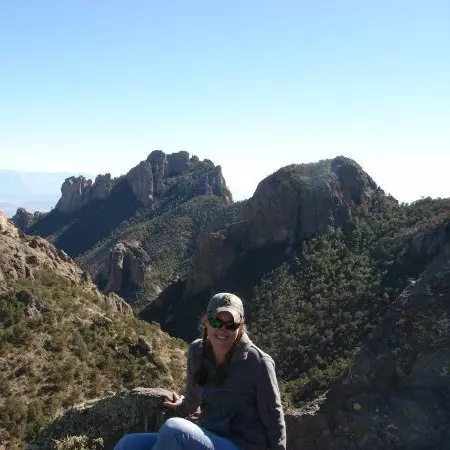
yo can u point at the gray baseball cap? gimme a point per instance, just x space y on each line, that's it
224 301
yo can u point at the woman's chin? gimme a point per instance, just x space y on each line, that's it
221 343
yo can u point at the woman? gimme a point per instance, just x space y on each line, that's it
234 384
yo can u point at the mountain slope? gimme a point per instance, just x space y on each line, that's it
396 392
62 341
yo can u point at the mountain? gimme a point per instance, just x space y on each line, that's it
325 261
318 253
63 342
136 234
34 191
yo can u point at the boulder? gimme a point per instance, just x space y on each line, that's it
34 305
109 418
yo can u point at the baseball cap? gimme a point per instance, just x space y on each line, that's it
224 301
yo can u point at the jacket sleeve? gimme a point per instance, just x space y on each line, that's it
191 400
269 405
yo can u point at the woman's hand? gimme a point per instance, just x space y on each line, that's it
175 402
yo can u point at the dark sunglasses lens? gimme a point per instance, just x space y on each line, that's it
214 322
217 323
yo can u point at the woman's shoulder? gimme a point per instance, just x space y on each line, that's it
258 353
195 348
255 353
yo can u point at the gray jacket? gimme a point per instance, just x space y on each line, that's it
246 407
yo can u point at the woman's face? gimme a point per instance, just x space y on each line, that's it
221 338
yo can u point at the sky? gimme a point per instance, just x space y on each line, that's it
253 85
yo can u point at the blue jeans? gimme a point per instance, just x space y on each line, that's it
176 434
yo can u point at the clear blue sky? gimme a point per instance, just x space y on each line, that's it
94 86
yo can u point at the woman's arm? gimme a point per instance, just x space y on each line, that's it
269 404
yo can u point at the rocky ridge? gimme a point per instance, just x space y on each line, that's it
147 181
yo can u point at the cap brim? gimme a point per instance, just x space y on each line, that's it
236 314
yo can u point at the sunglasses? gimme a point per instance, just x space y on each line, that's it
215 322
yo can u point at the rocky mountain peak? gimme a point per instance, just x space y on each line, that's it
291 205
77 192
151 178
148 180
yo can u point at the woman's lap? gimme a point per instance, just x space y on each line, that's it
177 434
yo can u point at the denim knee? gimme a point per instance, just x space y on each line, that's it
172 426
125 442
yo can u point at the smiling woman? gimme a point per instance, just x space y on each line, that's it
231 382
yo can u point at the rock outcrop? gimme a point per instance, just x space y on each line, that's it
126 267
147 181
165 167
291 205
158 162
24 219
109 418
7 228
21 256
140 179
77 192
215 185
